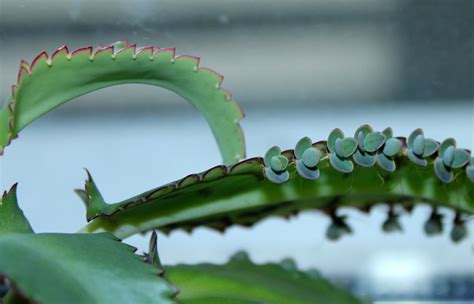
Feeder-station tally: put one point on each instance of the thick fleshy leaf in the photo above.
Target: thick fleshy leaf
(12, 218)
(461, 158)
(392, 146)
(341, 165)
(311, 157)
(83, 268)
(364, 159)
(443, 173)
(446, 144)
(388, 132)
(373, 141)
(415, 159)
(279, 163)
(419, 145)
(386, 163)
(273, 151)
(241, 281)
(333, 136)
(431, 146)
(302, 145)
(277, 178)
(413, 135)
(448, 156)
(306, 172)
(51, 81)
(470, 170)
(345, 147)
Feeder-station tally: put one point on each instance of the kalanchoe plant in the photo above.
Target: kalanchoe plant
(94, 266)
(341, 149)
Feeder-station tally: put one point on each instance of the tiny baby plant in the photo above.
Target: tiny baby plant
(95, 266)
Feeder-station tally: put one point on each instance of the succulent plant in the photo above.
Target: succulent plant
(238, 192)
(419, 147)
(341, 149)
(276, 165)
(450, 158)
(307, 159)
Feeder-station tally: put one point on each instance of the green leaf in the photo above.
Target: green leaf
(52, 81)
(431, 146)
(341, 165)
(443, 173)
(273, 151)
(345, 147)
(364, 129)
(415, 159)
(470, 170)
(418, 146)
(446, 144)
(461, 158)
(302, 145)
(241, 281)
(413, 135)
(364, 159)
(392, 147)
(386, 163)
(448, 156)
(373, 141)
(12, 218)
(388, 132)
(333, 136)
(86, 268)
(279, 163)
(311, 157)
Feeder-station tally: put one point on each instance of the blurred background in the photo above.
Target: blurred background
(298, 68)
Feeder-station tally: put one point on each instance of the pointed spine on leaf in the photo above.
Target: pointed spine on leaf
(92, 198)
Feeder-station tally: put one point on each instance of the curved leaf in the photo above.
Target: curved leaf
(51, 81)
(241, 281)
(86, 268)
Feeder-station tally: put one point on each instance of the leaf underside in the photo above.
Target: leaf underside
(83, 268)
(241, 281)
(241, 194)
(51, 81)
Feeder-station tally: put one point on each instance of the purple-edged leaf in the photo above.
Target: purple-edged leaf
(392, 147)
(373, 141)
